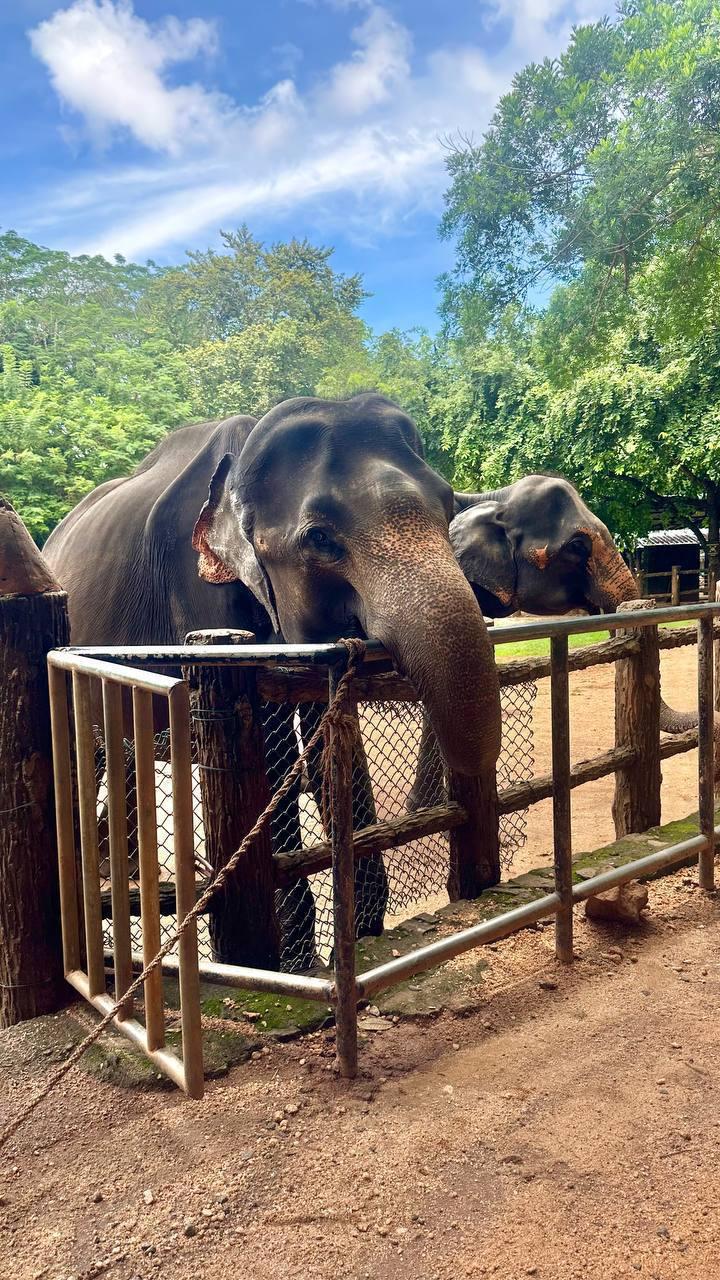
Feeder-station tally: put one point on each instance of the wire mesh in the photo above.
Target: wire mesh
(392, 743)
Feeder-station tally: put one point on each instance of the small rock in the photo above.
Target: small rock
(623, 903)
(455, 1045)
(97, 1198)
(190, 1229)
(148, 1197)
(373, 1011)
(395, 953)
(291, 1108)
(675, 1044)
(546, 984)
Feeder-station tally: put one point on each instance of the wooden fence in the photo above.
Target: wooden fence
(236, 680)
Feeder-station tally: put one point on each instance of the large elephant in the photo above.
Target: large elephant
(535, 547)
(322, 521)
(335, 520)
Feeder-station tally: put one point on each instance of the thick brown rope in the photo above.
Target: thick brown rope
(335, 717)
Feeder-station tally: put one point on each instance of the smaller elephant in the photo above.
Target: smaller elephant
(536, 547)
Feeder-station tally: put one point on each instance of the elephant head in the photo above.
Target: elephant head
(536, 546)
(335, 521)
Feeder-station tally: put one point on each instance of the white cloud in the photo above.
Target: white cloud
(107, 64)
(378, 66)
(363, 144)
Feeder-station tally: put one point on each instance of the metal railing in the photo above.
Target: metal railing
(346, 987)
(92, 680)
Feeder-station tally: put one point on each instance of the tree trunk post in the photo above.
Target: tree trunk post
(33, 620)
(675, 584)
(636, 805)
(642, 583)
(717, 653)
(474, 846)
(234, 788)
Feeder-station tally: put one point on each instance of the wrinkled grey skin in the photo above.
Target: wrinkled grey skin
(536, 547)
(125, 557)
(124, 554)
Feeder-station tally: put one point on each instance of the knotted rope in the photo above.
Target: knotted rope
(336, 718)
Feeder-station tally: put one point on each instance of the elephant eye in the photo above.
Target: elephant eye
(318, 539)
(579, 545)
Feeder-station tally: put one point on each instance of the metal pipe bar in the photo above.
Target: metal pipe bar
(164, 1059)
(343, 879)
(87, 805)
(644, 866)
(241, 655)
(706, 753)
(328, 654)
(436, 953)
(600, 622)
(62, 769)
(118, 840)
(149, 870)
(232, 975)
(87, 664)
(562, 826)
(184, 859)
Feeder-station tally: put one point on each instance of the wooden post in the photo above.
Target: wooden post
(716, 652)
(675, 584)
(234, 787)
(636, 805)
(474, 846)
(343, 868)
(706, 753)
(642, 583)
(33, 620)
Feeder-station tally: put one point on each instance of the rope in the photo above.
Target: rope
(334, 717)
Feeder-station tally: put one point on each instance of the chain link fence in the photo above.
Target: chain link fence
(386, 757)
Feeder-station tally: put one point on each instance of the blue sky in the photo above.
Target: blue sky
(142, 126)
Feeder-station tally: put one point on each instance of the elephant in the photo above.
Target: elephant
(535, 546)
(322, 520)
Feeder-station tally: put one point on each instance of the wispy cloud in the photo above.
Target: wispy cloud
(364, 139)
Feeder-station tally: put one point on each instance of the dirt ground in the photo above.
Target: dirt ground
(592, 727)
(567, 1129)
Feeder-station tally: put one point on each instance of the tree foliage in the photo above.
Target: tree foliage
(600, 173)
(98, 359)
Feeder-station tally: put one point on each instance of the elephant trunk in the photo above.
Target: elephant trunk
(611, 582)
(420, 606)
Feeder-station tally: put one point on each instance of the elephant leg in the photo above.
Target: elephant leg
(295, 905)
(371, 883)
(428, 788)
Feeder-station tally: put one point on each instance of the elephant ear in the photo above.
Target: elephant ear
(225, 553)
(485, 552)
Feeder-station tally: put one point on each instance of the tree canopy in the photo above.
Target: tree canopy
(99, 359)
(599, 175)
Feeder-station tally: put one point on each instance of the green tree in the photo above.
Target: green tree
(607, 155)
